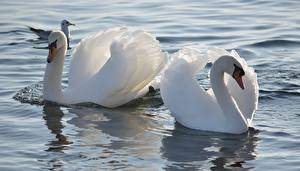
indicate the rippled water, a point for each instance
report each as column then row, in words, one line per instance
column 142, row 135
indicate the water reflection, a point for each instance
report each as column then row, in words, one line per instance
column 120, row 123
column 116, row 138
column 117, row 128
column 110, row 138
column 53, row 116
column 190, row 149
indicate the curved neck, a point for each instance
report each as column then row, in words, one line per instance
column 52, row 78
column 225, row 100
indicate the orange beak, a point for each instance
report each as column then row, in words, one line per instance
column 237, row 75
column 51, row 54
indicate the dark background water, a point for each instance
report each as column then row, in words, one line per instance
column 143, row 135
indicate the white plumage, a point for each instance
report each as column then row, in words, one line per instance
column 225, row 107
column 109, row 68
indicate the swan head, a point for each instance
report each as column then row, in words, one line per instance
column 56, row 41
column 234, row 68
column 237, row 74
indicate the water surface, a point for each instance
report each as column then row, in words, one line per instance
column 143, row 135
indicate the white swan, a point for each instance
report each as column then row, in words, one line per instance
column 227, row 107
column 110, row 68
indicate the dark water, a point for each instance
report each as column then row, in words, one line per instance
column 143, row 135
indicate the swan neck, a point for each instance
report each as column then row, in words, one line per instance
column 224, row 98
column 52, row 78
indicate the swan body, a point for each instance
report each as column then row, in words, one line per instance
column 109, row 68
column 44, row 34
column 227, row 107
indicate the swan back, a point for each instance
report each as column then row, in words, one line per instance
column 197, row 59
column 114, row 67
column 91, row 54
column 139, row 59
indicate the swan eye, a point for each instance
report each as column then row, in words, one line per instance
column 239, row 70
column 53, row 45
column 242, row 72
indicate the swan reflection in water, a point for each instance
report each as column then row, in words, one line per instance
column 127, row 137
column 53, row 116
column 119, row 132
column 105, row 138
column 192, row 149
